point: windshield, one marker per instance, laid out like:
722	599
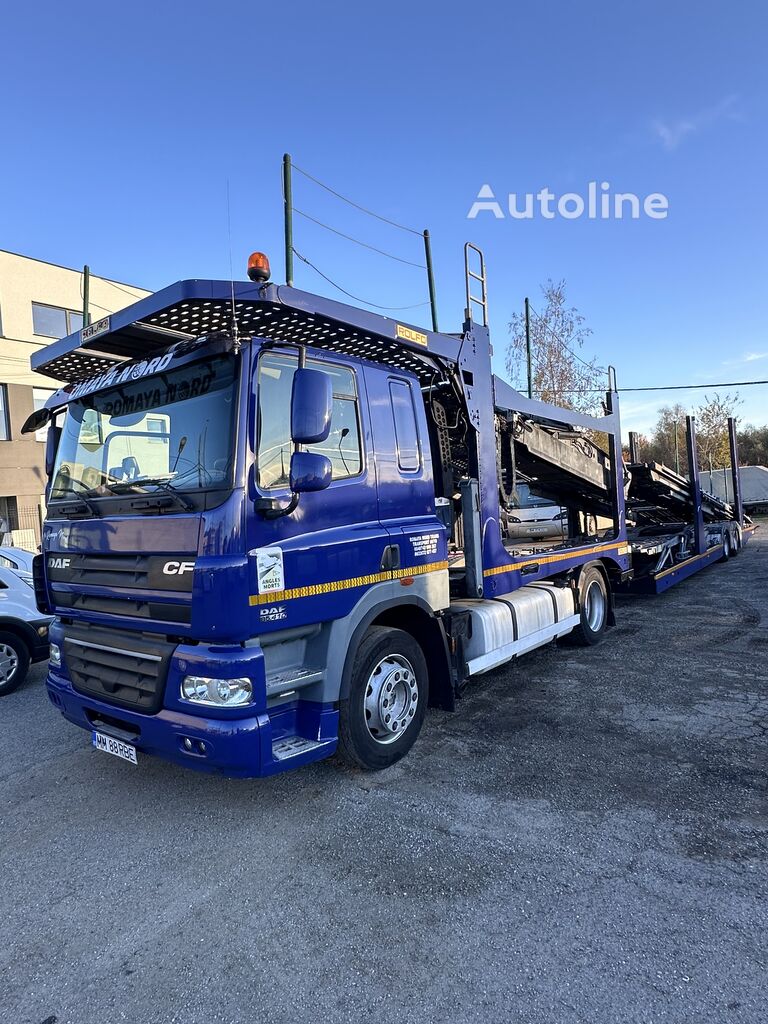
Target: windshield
171	431
528	500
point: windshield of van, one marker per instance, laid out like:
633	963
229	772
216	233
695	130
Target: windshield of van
528	500
171	431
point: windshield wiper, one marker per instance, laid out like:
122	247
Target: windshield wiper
85	495
165	485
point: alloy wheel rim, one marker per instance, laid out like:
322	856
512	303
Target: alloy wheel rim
391	698
9	663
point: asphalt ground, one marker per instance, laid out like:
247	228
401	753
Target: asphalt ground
585	840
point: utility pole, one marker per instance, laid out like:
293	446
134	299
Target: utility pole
86	291
677	452
528	346
430	279
288	216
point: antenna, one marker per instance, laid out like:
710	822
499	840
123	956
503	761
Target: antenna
231	271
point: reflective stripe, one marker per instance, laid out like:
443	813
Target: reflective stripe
681	565
620	548
314	589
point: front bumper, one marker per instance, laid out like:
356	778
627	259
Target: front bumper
238	748
247	742
533	529
40	646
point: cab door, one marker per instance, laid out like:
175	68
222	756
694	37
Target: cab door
315	563
406	489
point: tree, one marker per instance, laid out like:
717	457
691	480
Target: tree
753	445
643	447
560	375
667	442
712	430
668	439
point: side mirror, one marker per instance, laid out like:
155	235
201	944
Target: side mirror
130	468
51	447
311	406
37	420
309	472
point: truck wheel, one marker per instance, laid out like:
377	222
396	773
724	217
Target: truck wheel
381	718
14	662
593	604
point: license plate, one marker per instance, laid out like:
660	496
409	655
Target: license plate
116	747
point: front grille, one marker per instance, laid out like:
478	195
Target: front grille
120	668
140	572
153	610
147	575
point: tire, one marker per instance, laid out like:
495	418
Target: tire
381	717
14	662
736	537
727	546
593	608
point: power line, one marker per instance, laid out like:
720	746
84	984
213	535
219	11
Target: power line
357	298
666	387
357	206
365	245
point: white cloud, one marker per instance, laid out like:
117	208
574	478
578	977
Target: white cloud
748	357
672	133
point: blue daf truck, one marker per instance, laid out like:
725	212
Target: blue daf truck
278	526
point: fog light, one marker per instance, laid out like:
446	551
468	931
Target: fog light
187	743
55	656
229	693
42	631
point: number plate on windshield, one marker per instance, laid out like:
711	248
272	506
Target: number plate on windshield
112	746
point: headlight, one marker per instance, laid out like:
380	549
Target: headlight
220	693
55	655
561	515
513	519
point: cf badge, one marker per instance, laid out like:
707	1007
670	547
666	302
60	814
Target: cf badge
178	568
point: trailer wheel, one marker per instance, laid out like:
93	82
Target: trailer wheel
382	716
593	605
736	536
727	546
14	662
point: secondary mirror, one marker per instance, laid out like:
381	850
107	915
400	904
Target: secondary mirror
309	472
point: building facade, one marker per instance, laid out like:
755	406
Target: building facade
39	303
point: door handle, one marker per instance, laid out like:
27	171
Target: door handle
390	559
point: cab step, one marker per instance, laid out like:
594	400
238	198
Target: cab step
295	746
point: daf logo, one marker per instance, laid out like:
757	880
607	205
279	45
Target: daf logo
59	563
178	568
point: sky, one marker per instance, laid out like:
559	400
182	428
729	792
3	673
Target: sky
126	127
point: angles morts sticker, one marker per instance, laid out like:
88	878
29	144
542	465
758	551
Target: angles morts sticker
269	570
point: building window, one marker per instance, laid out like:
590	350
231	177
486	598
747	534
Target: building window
55	322
39	397
5	423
